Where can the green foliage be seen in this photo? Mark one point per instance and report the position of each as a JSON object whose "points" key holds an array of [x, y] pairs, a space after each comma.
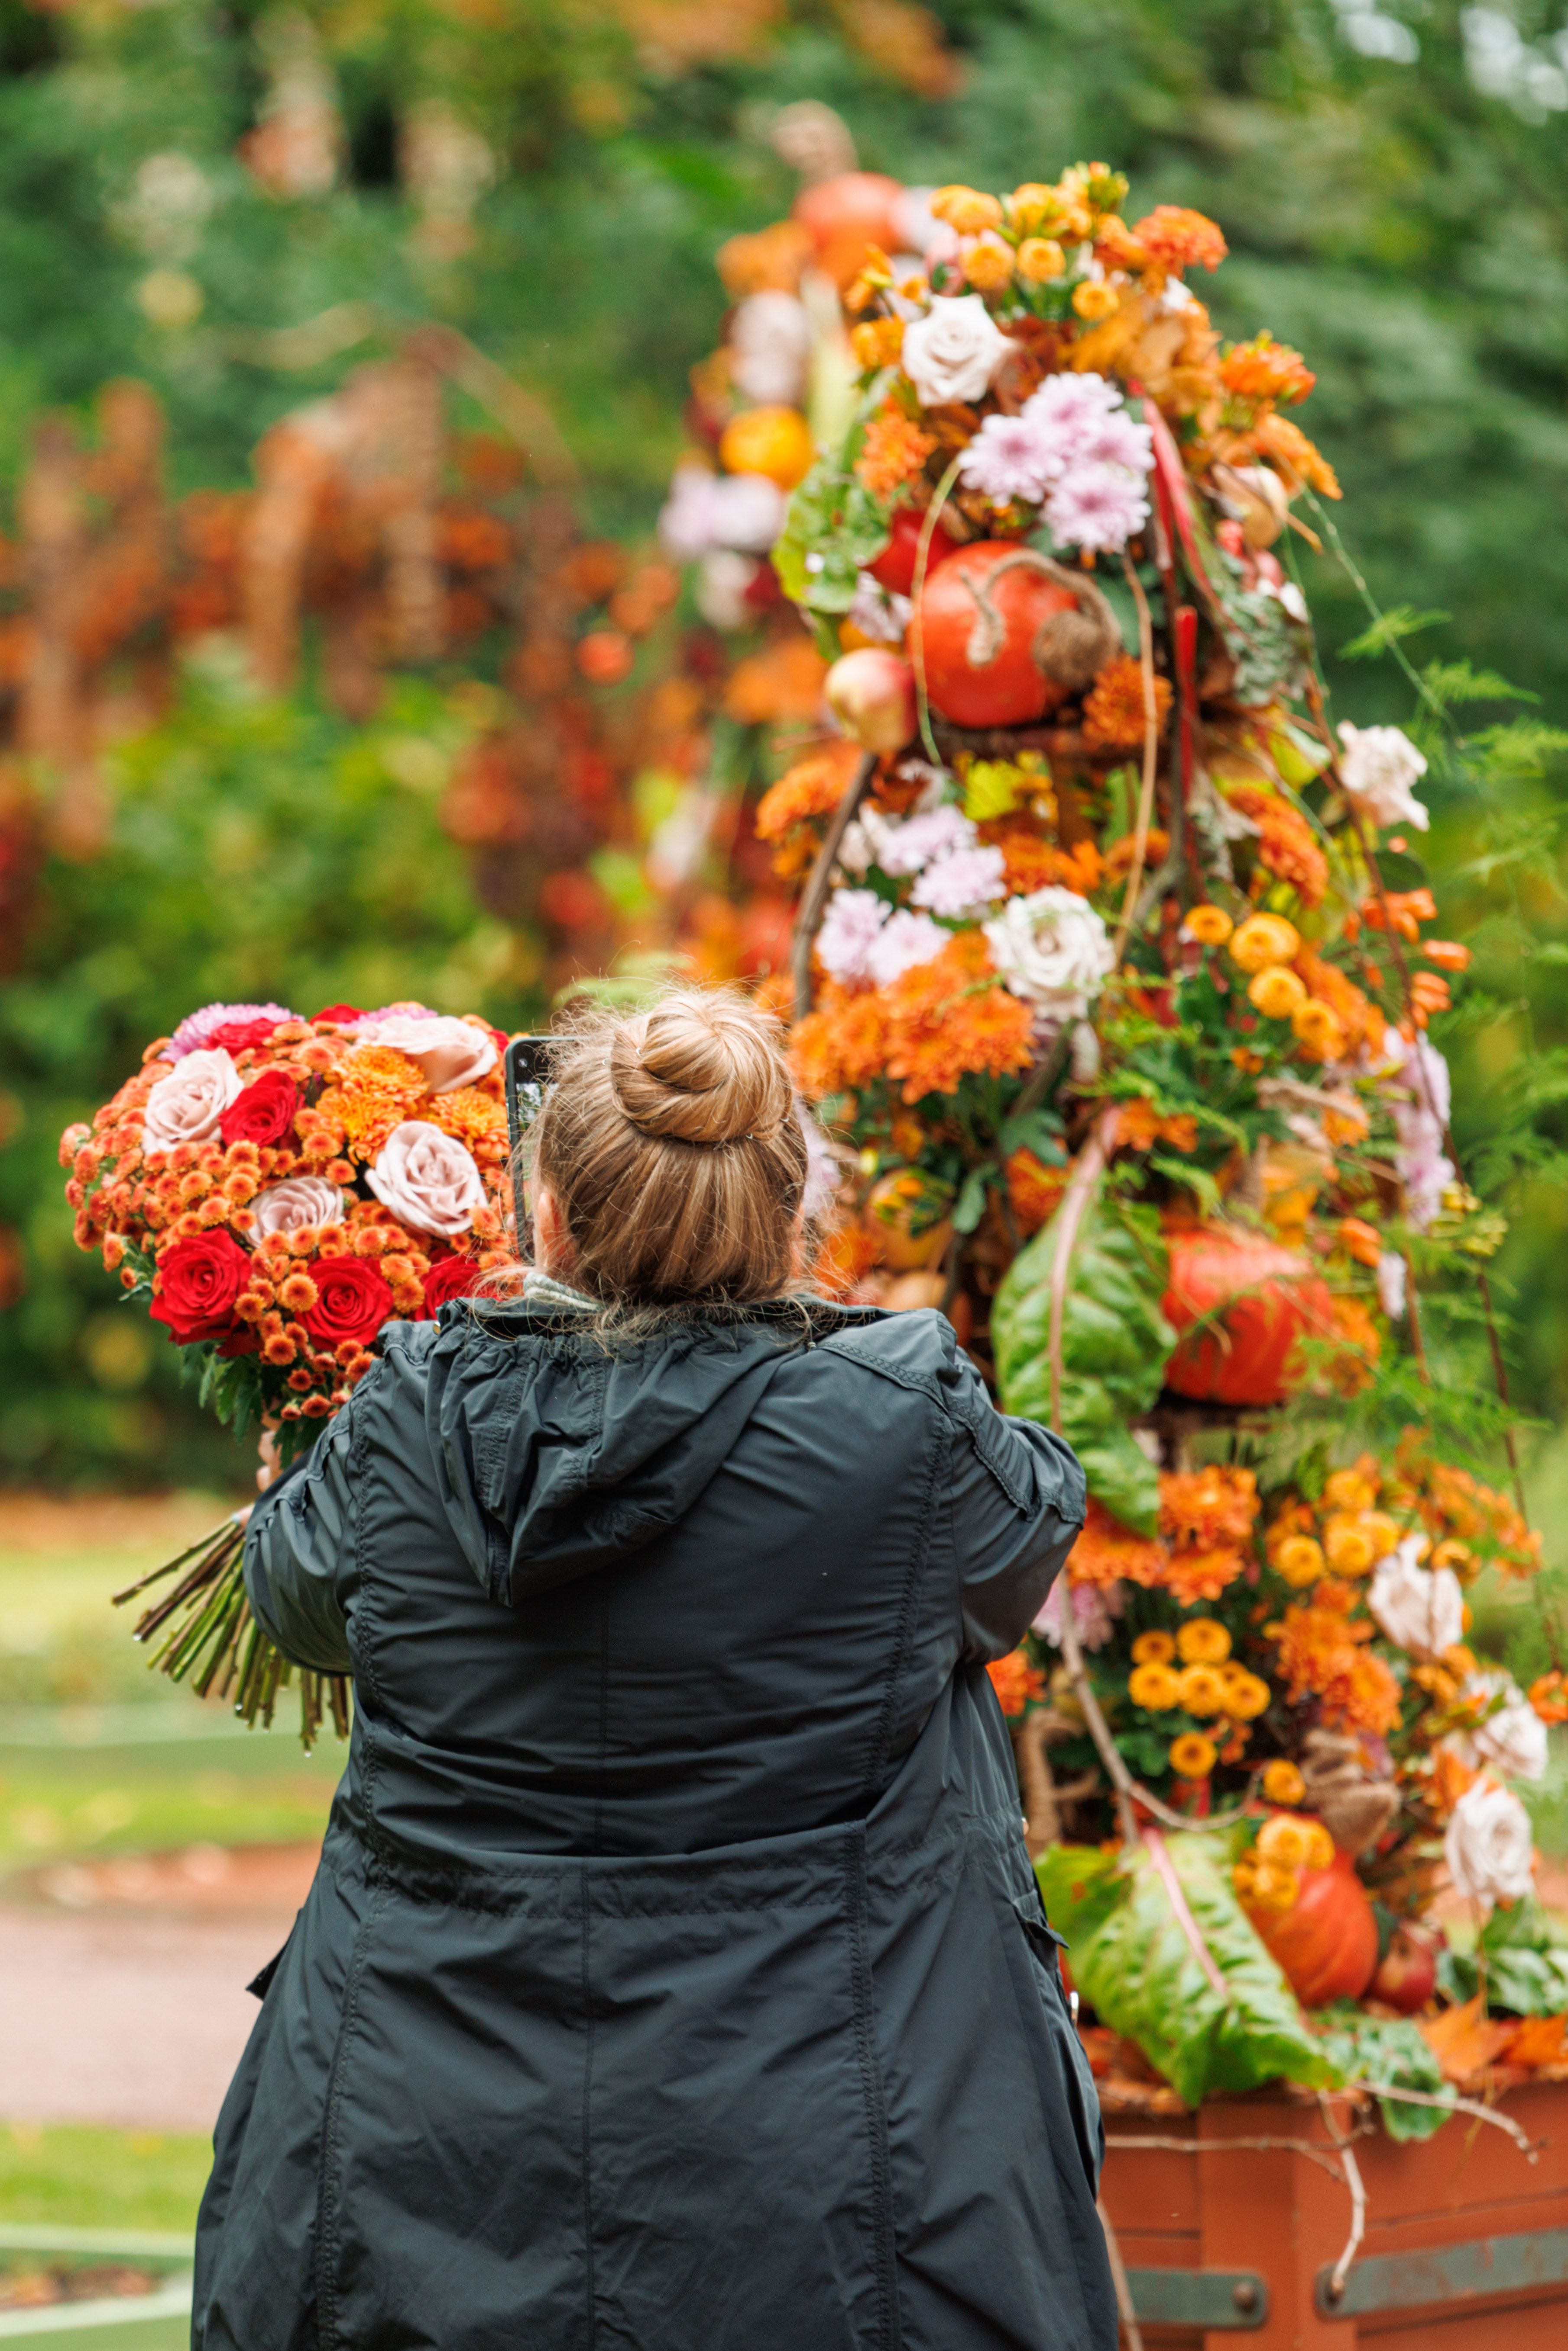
{"points": [[1114, 1340], [1133, 1962], [261, 851], [1520, 1957], [1389, 2053]]}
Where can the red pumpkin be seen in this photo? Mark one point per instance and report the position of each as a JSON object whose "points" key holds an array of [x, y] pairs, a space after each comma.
{"points": [[1266, 1297], [844, 214], [894, 567], [1005, 636], [1326, 1941]]}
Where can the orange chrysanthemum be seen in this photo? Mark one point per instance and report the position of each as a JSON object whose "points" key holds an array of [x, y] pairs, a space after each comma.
{"points": [[842, 1044], [1265, 370], [1208, 1507], [813, 787], [1194, 1575], [1032, 864], [1034, 1189], [950, 1016], [1294, 457], [377, 1088], [1016, 1681], [1322, 1656], [1113, 712], [1359, 1019], [876, 342], [474, 1118], [1287, 846], [894, 453], [1106, 1553], [1179, 239]]}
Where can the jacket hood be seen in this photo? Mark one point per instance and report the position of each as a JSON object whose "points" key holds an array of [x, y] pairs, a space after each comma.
{"points": [[556, 1454]]}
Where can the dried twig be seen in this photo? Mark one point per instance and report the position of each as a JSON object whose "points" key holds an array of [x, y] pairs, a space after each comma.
{"points": [[816, 894]]}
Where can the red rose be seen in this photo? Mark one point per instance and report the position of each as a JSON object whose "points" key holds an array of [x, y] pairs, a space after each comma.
{"points": [[339, 1012], [352, 1301], [452, 1277], [201, 1278], [236, 1035], [262, 1112]]}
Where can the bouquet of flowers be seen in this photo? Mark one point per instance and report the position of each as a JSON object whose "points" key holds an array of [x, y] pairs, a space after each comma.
{"points": [[1114, 968], [275, 1189]]}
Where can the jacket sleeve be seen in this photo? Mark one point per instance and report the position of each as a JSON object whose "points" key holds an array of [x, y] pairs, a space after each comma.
{"points": [[1018, 1500], [300, 1546]]}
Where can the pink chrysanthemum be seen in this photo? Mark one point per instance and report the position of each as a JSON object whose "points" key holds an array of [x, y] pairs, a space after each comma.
{"points": [[1010, 458], [903, 941], [969, 878], [196, 1028], [1097, 506]]}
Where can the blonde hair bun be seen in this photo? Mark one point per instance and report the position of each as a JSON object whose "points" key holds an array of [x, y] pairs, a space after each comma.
{"points": [[700, 1070], [670, 1144]]}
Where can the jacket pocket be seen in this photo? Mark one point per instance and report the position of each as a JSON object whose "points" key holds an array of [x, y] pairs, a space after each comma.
{"points": [[1078, 2080]]}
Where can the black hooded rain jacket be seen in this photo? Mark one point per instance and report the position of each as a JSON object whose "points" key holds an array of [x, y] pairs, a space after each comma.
{"points": [[674, 1977]]}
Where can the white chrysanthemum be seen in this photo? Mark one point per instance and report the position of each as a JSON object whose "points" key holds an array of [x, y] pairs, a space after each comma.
{"points": [[1378, 768]]}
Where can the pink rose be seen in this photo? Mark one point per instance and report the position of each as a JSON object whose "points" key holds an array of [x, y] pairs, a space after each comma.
{"points": [[427, 1178], [290, 1206], [186, 1105], [452, 1053]]}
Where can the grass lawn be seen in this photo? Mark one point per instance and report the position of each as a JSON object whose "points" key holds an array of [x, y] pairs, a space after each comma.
{"points": [[97, 1754], [82, 2178]]}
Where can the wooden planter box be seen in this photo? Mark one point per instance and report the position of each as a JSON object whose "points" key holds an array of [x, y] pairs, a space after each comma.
{"points": [[1466, 2246]]}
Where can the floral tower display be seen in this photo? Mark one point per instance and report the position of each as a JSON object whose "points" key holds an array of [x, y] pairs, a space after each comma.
{"points": [[1114, 972]]}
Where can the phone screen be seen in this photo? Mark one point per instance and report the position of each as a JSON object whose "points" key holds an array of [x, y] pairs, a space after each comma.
{"points": [[528, 1072]]}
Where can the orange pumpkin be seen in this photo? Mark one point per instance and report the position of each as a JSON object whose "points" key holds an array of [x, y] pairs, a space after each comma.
{"points": [[1254, 1298], [844, 214], [1005, 634], [1326, 1941]]}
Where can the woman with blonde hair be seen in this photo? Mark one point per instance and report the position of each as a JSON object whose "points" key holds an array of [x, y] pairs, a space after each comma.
{"points": [[674, 1976]]}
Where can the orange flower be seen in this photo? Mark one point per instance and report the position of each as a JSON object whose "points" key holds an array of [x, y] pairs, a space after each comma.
{"points": [[1265, 370], [1032, 864], [1194, 1575], [1034, 1189], [840, 1045], [1295, 459], [1358, 1017], [1178, 239], [844, 1260], [1549, 1696], [948, 1016], [1351, 1368], [894, 453], [476, 1119], [812, 786], [1207, 1507], [1106, 1553], [1406, 910], [966, 209], [1449, 954], [1363, 1241], [785, 681], [876, 342], [1321, 1656], [1287, 846], [377, 1088], [1016, 1681], [1113, 714]]}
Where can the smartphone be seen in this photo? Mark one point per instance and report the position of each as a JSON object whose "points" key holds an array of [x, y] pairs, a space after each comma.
{"points": [[528, 1072]]}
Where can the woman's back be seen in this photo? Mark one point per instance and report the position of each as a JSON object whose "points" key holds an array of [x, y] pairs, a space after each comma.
{"points": [[745, 1565]]}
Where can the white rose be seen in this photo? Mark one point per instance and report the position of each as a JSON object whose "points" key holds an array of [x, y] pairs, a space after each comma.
{"points": [[770, 348], [1418, 1608], [186, 1105], [953, 352], [1052, 949], [1512, 1740], [427, 1178], [1379, 766], [452, 1053], [1489, 1846], [290, 1206]]}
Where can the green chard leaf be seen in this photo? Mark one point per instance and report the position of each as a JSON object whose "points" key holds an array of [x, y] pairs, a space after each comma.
{"points": [[1133, 1961], [1389, 2052], [1114, 1342]]}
